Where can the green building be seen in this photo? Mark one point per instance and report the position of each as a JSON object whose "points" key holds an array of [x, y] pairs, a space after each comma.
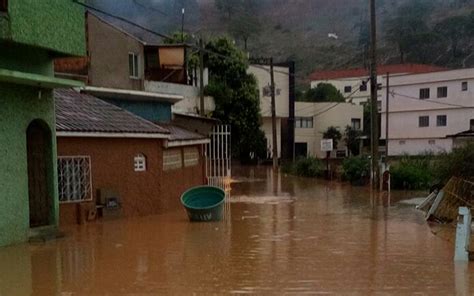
{"points": [[32, 34]]}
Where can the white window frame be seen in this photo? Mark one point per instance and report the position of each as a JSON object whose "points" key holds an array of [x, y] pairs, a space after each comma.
{"points": [[74, 193], [191, 156], [172, 159], [134, 71], [139, 162], [304, 122], [359, 122]]}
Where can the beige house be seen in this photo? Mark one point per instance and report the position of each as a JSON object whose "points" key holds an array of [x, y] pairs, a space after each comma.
{"points": [[282, 101], [313, 119]]}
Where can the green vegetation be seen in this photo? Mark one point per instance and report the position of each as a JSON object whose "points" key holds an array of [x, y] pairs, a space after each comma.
{"points": [[356, 170], [351, 137], [334, 134], [305, 167], [237, 98], [323, 92], [412, 172], [458, 163]]}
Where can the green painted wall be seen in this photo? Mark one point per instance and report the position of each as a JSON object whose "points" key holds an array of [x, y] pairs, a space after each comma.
{"points": [[19, 106], [56, 25], [27, 59]]}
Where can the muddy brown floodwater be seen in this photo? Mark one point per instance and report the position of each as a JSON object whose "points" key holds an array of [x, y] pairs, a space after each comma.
{"points": [[282, 235]]}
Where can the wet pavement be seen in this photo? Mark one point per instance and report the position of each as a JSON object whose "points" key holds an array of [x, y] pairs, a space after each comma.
{"points": [[283, 235]]}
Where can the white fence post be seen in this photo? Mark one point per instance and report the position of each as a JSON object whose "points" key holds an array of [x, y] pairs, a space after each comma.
{"points": [[463, 235]]}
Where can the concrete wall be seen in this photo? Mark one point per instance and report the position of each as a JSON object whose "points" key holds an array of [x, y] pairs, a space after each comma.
{"points": [[19, 106], [57, 26], [109, 60], [142, 193], [191, 101], [330, 114], [282, 85], [406, 108]]}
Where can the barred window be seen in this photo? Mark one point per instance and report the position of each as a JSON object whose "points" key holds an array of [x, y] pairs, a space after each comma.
{"points": [[74, 179], [191, 156], [172, 159], [140, 163]]}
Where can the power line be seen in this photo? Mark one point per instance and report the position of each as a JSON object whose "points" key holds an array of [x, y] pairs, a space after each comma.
{"points": [[150, 7], [393, 93]]}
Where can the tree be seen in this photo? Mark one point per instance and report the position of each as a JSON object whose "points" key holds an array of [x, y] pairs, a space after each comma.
{"points": [[236, 96], [407, 24], [324, 92], [244, 27], [333, 133], [228, 6], [352, 140], [453, 29]]}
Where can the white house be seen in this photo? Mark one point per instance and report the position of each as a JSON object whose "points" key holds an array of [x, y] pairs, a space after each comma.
{"points": [[354, 83], [426, 111], [313, 119], [282, 101]]}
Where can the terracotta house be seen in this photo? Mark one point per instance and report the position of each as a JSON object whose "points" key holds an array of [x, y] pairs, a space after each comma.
{"points": [[112, 162]]}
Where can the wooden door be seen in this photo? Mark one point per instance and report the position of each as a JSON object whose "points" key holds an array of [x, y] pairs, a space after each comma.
{"points": [[39, 151]]}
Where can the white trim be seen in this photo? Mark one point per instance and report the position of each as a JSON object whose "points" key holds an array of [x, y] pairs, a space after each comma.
{"points": [[130, 94], [170, 144], [111, 135]]}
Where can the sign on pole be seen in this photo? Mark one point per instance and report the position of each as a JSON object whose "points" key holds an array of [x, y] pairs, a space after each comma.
{"points": [[326, 145]]}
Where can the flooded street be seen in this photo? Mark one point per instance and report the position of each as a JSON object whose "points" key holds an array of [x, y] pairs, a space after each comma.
{"points": [[283, 235]]}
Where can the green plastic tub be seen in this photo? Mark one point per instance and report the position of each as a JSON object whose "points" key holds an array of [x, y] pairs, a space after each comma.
{"points": [[204, 203]]}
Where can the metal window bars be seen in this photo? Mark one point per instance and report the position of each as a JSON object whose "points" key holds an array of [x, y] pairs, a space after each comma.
{"points": [[74, 179]]}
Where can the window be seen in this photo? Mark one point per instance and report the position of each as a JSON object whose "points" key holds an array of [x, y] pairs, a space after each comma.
{"points": [[424, 93], [442, 92], [3, 5], [441, 120], [74, 179], [402, 142], [432, 142], [139, 163], [363, 87], [172, 159], [424, 121], [355, 123], [471, 123], [347, 89], [191, 157], [133, 65], [464, 86], [304, 122]]}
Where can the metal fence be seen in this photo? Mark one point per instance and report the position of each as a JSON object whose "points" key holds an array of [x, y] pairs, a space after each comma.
{"points": [[74, 178]]}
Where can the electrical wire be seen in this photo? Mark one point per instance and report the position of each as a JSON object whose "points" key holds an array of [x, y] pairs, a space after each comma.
{"points": [[393, 93]]}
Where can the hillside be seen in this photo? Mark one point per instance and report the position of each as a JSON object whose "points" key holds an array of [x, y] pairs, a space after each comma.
{"points": [[298, 29]]}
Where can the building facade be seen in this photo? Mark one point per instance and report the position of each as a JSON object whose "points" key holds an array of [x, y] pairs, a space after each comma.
{"points": [[313, 119], [427, 110], [119, 164], [284, 106], [354, 84], [28, 186]]}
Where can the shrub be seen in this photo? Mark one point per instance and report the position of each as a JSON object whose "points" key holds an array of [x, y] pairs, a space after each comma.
{"points": [[308, 167], [412, 172], [356, 170], [459, 163]]}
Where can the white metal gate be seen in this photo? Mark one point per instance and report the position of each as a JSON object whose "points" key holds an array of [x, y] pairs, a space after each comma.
{"points": [[218, 158], [218, 166]]}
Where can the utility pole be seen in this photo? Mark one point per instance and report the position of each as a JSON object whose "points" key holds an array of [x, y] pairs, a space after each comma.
{"points": [[274, 131], [201, 77], [386, 117], [375, 170], [182, 25]]}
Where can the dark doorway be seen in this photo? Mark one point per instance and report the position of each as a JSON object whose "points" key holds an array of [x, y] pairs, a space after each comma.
{"points": [[38, 142], [301, 149]]}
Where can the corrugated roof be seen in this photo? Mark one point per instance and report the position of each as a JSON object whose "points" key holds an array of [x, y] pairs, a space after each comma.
{"points": [[76, 112], [382, 69], [181, 134]]}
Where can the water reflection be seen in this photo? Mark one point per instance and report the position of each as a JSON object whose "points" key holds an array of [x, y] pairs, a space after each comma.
{"points": [[286, 235]]}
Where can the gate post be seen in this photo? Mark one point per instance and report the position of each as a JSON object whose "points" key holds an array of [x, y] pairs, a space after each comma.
{"points": [[463, 235]]}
